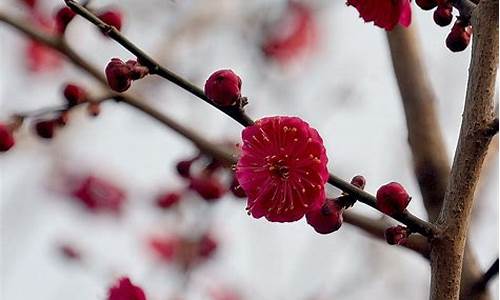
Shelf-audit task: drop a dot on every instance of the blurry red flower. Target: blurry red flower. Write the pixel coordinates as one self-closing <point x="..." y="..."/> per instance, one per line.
<point x="38" y="56"/>
<point x="167" y="200"/>
<point x="292" y="35"/>
<point x="282" y="168"/>
<point x="207" y="246"/>
<point x="208" y="187"/>
<point x="165" y="248"/>
<point x="97" y="194"/>
<point x="63" y="16"/>
<point x="6" y="138"/>
<point x="384" y="13"/>
<point x="112" y="18"/>
<point x="69" y="252"/>
<point x="123" y="289"/>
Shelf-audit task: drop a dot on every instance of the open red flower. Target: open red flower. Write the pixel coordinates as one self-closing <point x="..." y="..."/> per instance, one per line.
<point x="384" y="13"/>
<point x="125" y="290"/>
<point x="282" y="168"/>
<point x="293" y="35"/>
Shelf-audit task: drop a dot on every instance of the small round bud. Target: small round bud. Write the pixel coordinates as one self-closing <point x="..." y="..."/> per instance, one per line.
<point x="326" y="219"/>
<point x="223" y="88"/>
<point x="392" y="198"/>
<point x="426" y="4"/>
<point x="236" y="189"/>
<point x="167" y="200"/>
<point x="443" y="14"/>
<point x="63" y="16"/>
<point x="137" y="71"/>
<point x="94" y="109"/>
<point x="208" y="188"/>
<point x="74" y="94"/>
<point x="183" y="168"/>
<point x="45" y="128"/>
<point x="207" y="246"/>
<point x="6" y="138"/>
<point x="396" y="235"/>
<point x="459" y="37"/>
<point x="112" y="18"/>
<point x="358" y="181"/>
<point x="118" y="75"/>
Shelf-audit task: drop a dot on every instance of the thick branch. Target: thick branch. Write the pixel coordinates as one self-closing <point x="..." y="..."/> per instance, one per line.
<point x="447" y="251"/>
<point x="414" y="223"/>
<point x="431" y="164"/>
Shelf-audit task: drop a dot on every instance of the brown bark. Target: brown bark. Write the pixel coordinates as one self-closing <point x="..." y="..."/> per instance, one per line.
<point x="448" y="249"/>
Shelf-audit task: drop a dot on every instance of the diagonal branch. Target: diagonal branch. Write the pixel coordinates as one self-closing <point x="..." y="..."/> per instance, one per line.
<point x="414" y="223"/>
<point x="133" y="101"/>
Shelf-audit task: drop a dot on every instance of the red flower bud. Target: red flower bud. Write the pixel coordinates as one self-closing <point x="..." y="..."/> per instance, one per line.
<point x="183" y="168"/>
<point x="443" y="14"/>
<point x="99" y="195"/>
<point x="426" y="4"/>
<point x="112" y="18"/>
<point x="236" y="189"/>
<point x="396" y="235"/>
<point x="63" y="16"/>
<point x="223" y="88"/>
<point x="118" y="75"/>
<point x="74" y="94"/>
<point x="207" y="246"/>
<point x="45" y="128"/>
<point x="207" y="187"/>
<point x="326" y="219"/>
<point x="459" y="37"/>
<point x="167" y="200"/>
<point x="124" y="289"/>
<point x="392" y="198"/>
<point x="358" y="181"/>
<point x="6" y="138"/>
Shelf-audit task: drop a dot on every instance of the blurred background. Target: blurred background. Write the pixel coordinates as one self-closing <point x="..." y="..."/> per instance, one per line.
<point x="315" y="59"/>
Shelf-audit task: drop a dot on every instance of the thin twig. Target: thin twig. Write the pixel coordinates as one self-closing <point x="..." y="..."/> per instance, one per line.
<point x="414" y="223"/>
<point x="79" y="62"/>
<point x="465" y="7"/>
<point x="376" y="228"/>
<point x="481" y="284"/>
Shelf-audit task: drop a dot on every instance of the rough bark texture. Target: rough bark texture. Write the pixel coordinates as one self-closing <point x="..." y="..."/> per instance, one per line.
<point x="431" y="164"/>
<point x="447" y="250"/>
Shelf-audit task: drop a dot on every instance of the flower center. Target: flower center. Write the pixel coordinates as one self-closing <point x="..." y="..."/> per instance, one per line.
<point x="279" y="170"/>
